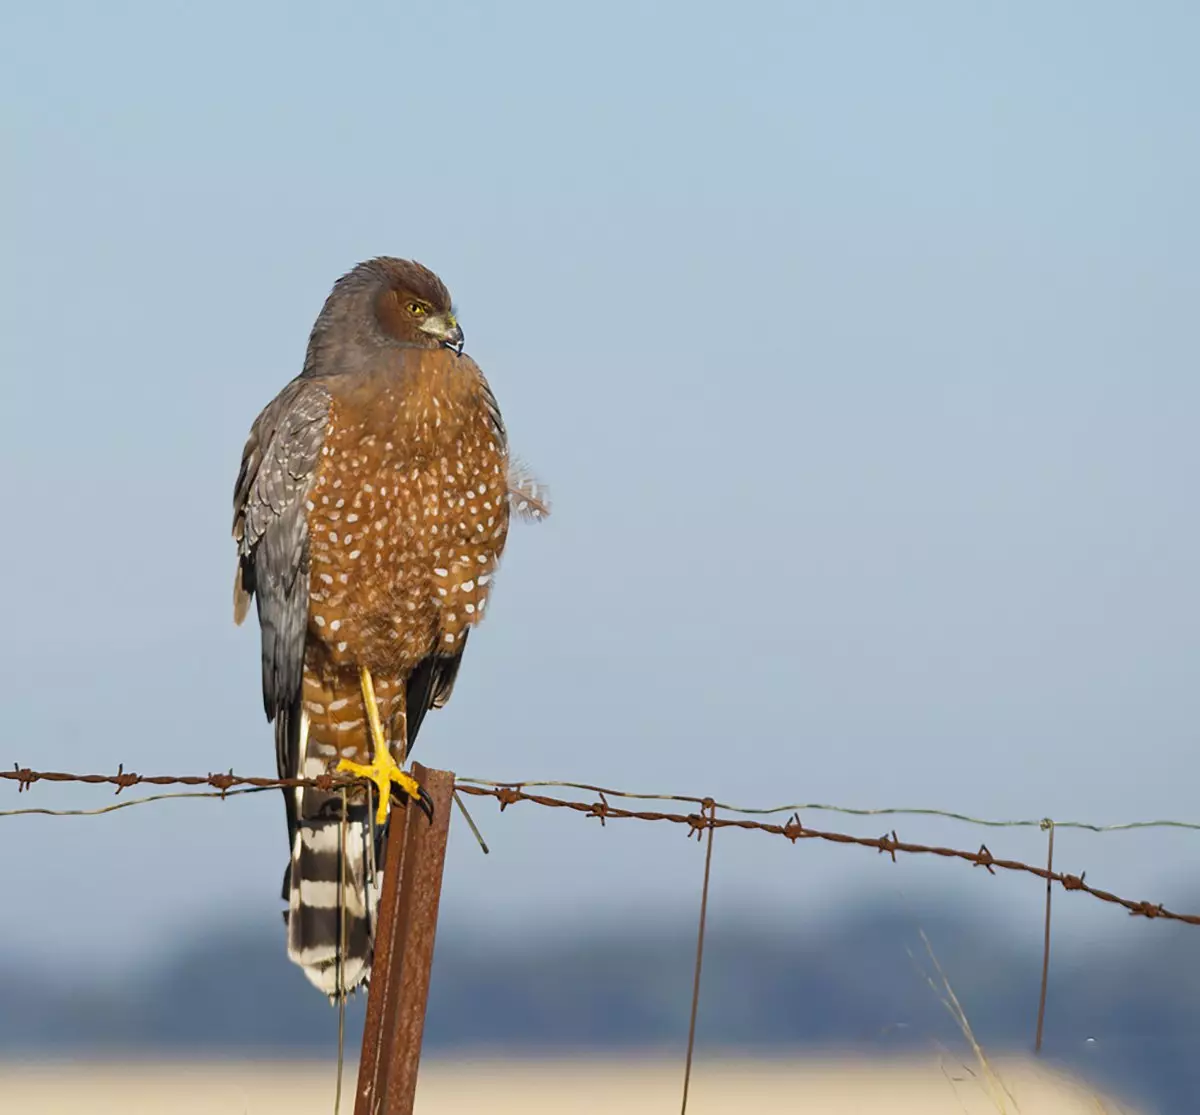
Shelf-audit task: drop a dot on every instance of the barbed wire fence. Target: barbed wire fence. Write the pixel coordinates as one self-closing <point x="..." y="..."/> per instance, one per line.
<point x="408" y="905"/>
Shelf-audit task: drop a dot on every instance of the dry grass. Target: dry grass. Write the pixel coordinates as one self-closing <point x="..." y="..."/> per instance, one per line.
<point x="828" y="1086"/>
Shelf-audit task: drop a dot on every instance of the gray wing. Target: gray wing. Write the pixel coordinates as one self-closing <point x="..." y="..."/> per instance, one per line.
<point x="270" y="526"/>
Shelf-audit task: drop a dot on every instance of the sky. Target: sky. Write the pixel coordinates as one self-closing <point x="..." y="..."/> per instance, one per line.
<point x="855" y="341"/>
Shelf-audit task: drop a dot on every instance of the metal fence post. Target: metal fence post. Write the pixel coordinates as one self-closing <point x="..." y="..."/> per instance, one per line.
<point x="406" y="927"/>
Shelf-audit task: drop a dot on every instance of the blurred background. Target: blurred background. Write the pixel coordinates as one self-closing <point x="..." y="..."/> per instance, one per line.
<point x="856" y="343"/>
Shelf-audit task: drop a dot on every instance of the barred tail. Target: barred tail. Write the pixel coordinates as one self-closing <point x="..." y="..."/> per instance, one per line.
<point x="332" y="901"/>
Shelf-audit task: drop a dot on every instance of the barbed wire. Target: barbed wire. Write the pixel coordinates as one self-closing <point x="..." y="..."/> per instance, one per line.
<point x="705" y="818"/>
<point x="228" y="781"/>
<point x="851" y="811"/>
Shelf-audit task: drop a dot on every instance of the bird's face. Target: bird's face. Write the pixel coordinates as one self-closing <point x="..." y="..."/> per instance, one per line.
<point x="440" y="324"/>
<point x="419" y="312"/>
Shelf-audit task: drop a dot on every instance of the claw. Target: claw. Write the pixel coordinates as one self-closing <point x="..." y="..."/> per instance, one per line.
<point x="384" y="773"/>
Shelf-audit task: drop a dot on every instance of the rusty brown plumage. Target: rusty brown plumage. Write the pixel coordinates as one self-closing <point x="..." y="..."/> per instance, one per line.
<point x="407" y="518"/>
<point x="371" y="512"/>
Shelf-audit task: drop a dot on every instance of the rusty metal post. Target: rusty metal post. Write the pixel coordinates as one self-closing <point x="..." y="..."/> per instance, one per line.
<point x="407" y="925"/>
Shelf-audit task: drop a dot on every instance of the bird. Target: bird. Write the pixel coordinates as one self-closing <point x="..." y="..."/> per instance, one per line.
<point x="371" y="510"/>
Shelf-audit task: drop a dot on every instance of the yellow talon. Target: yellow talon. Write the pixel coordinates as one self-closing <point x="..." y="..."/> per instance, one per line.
<point x="383" y="770"/>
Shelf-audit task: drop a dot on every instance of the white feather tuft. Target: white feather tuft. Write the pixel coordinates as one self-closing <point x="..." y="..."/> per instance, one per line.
<point x="527" y="495"/>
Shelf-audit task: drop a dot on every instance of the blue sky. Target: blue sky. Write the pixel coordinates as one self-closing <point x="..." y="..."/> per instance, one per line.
<point x="856" y="342"/>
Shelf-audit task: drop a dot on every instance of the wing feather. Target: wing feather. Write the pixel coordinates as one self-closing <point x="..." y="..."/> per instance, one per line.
<point x="270" y="526"/>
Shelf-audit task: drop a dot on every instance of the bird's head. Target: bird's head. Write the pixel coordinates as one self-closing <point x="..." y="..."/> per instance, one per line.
<point x="380" y="302"/>
<point x="413" y="306"/>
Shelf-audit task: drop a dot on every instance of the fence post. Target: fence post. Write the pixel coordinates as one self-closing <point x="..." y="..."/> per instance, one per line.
<point x="404" y="937"/>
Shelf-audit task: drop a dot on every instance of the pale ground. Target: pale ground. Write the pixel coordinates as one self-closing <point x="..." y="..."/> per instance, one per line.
<point x="847" y="1086"/>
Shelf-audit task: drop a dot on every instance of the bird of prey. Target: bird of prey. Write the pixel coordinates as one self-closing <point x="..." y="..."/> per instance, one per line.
<point x="370" y="513"/>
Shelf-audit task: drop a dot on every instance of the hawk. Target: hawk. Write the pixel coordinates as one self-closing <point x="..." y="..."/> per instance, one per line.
<point x="370" y="513"/>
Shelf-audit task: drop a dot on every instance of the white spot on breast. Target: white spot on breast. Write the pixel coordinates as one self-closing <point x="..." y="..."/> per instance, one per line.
<point x="341" y="646"/>
<point x="335" y="625"/>
<point x="326" y="578"/>
<point x="319" y="621"/>
<point x="354" y="553"/>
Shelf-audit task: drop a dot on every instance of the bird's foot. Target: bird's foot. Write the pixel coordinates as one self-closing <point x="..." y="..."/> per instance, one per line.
<point x="384" y="773"/>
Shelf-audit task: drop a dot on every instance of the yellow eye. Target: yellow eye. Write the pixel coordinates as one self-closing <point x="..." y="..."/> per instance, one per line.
<point x="416" y="309"/>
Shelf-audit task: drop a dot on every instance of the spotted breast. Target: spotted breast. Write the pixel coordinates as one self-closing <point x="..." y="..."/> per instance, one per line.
<point x="407" y="518"/>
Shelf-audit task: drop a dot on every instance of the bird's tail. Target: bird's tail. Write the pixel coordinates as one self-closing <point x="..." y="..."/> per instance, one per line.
<point x="332" y="890"/>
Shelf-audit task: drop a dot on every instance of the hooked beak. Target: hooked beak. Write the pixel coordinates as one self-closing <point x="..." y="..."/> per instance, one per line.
<point x="454" y="339"/>
<point x="446" y="329"/>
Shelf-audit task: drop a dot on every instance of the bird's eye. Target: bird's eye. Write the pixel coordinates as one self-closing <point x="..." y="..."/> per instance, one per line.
<point x="416" y="309"/>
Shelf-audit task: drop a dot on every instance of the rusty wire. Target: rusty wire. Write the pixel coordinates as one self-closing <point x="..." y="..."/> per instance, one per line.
<point x="512" y="793"/>
<point x="225" y="782"/>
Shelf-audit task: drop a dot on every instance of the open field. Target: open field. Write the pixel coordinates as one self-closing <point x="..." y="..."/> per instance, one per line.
<point x="835" y="1086"/>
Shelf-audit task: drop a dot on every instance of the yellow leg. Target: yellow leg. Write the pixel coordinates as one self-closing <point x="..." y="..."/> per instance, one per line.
<point x="383" y="769"/>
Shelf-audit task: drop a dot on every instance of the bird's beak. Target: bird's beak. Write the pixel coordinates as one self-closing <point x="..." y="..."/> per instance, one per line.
<point x="454" y="339"/>
<point x="446" y="329"/>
